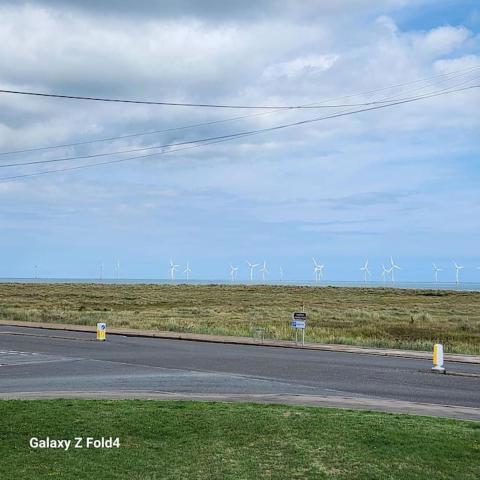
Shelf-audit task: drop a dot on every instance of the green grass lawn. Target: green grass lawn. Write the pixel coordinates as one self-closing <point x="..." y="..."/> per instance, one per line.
<point x="196" y="440"/>
<point x="372" y="317"/>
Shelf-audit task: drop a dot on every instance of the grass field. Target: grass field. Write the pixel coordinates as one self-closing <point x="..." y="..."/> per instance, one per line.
<point x="219" y="441"/>
<point x="410" y="319"/>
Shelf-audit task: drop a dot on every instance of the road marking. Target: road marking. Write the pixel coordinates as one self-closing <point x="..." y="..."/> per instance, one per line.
<point x="22" y="334"/>
<point x="10" y="358"/>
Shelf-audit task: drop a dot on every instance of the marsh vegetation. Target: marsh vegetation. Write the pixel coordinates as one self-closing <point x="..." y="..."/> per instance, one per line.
<point x="378" y="317"/>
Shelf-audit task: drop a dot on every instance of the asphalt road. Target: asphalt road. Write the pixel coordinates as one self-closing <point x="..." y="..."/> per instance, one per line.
<point x="42" y="363"/>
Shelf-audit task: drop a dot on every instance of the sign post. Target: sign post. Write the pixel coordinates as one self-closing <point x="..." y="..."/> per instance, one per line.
<point x="101" y="331"/>
<point x="299" y="322"/>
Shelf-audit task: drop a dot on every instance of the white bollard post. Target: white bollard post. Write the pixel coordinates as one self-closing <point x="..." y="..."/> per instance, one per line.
<point x="438" y="358"/>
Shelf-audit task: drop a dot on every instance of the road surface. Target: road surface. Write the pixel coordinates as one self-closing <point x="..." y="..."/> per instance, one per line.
<point x="38" y="363"/>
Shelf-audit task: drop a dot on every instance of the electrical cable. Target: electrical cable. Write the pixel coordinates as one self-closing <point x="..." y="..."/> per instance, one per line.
<point x="242" y="134"/>
<point x="154" y="147"/>
<point x="452" y="74"/>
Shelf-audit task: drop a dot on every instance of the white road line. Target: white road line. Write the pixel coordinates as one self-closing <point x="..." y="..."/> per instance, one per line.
<point x="16" y="358"/>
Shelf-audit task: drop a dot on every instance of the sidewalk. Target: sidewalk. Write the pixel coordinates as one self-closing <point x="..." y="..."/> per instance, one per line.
<point x="199" y="337"/>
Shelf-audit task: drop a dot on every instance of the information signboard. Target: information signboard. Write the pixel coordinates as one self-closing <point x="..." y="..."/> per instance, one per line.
<point x="299" y="324"/>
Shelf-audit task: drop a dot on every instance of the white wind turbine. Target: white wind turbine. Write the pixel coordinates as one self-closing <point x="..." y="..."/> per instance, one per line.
<point x="385" y="272"/>
<point x="173" y="268"/>
<point x="281" y="274"/>
<point x="366" y="271"/>
<point x="252" y="266"/>
<point x="188" y="271"/>
<point x="457" y="271"/>
<point x="317" y="270"/>
<point x="435" y="272"/>
<point x="233" y="273"/>
<point x="117" y="269"/>
<point x="393" y="267"/>
<point x="264" y="271"/>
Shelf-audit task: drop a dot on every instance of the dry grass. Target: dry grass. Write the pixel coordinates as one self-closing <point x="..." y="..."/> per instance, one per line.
<point x="410" y="319"/>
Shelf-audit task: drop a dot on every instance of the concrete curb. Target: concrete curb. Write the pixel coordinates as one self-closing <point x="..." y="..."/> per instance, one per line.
<point x="199" y="337"/>
<point x="325" y="401"/>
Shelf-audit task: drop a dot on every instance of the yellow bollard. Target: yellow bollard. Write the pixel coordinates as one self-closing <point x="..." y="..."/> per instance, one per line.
<point x="101" y="331"/>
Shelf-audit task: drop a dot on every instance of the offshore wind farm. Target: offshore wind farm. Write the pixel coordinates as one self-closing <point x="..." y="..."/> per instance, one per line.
<point x="448" y="277"/>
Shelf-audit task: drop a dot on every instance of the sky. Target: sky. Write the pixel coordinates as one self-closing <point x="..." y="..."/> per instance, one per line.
<point x="401" y="181"/>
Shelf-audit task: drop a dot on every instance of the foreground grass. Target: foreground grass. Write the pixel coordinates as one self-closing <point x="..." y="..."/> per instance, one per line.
<point x="189" y="440"/>
<point x="410" y="319"/>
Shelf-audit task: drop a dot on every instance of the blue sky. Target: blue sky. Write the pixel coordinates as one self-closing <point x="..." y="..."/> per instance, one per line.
<point x="401" y="181"/>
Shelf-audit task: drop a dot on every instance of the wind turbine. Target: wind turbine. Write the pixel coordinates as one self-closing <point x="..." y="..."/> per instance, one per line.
<point x="117" y="269"/>
<point x="173" y="267"/>
<point x="435" y="272"/>
<point x="281" y="274"/>
<point x="233" y="273"/>
<point x="188" y="271"/>
<point x="36" y="271"/>
<point x="385" y="272"/>
<point x="393" y="267"/>
<point x="317" y="270"/>
<point x="252" y="266"/>
<point x="101" y="271"/>
<point x="264" y="271"/>
<point x="366" y="271"/>
<point x="457" y="271"/>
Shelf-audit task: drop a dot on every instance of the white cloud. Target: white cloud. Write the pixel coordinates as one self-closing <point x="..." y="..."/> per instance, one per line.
<point x="387" y="23"/>
<point x="379" y="166"/>
<point x="441" y="40"/>
<point x="300" y="66"/>
<point x="463" y="62"/>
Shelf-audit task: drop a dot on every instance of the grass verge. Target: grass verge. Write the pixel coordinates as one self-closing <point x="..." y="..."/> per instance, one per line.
<point x="371" y="317"/>
<point x="197" y="440"/>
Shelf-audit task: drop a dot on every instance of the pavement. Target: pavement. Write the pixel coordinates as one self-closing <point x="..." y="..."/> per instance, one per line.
<point x="41" y="363"/>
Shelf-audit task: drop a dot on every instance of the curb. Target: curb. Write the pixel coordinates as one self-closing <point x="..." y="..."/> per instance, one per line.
<point x="200" y="337"/>
<point x="322" y="401"/>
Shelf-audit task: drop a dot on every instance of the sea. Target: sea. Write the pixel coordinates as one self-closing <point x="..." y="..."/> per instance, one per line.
<point x="462" y="286"/>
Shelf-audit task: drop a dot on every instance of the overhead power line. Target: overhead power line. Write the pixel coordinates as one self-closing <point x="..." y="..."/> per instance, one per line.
<point x="201" y="140"/>
<point x="117" y="152"/>
<point x="154" y="147"/>
<point x="240" y="134"/>
<point x="447" y="76"/>
<point x="176" y="104"/>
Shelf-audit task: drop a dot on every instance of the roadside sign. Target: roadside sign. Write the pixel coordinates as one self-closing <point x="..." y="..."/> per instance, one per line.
<point x="299" y="324"/>
<point x="101" y="331"/>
